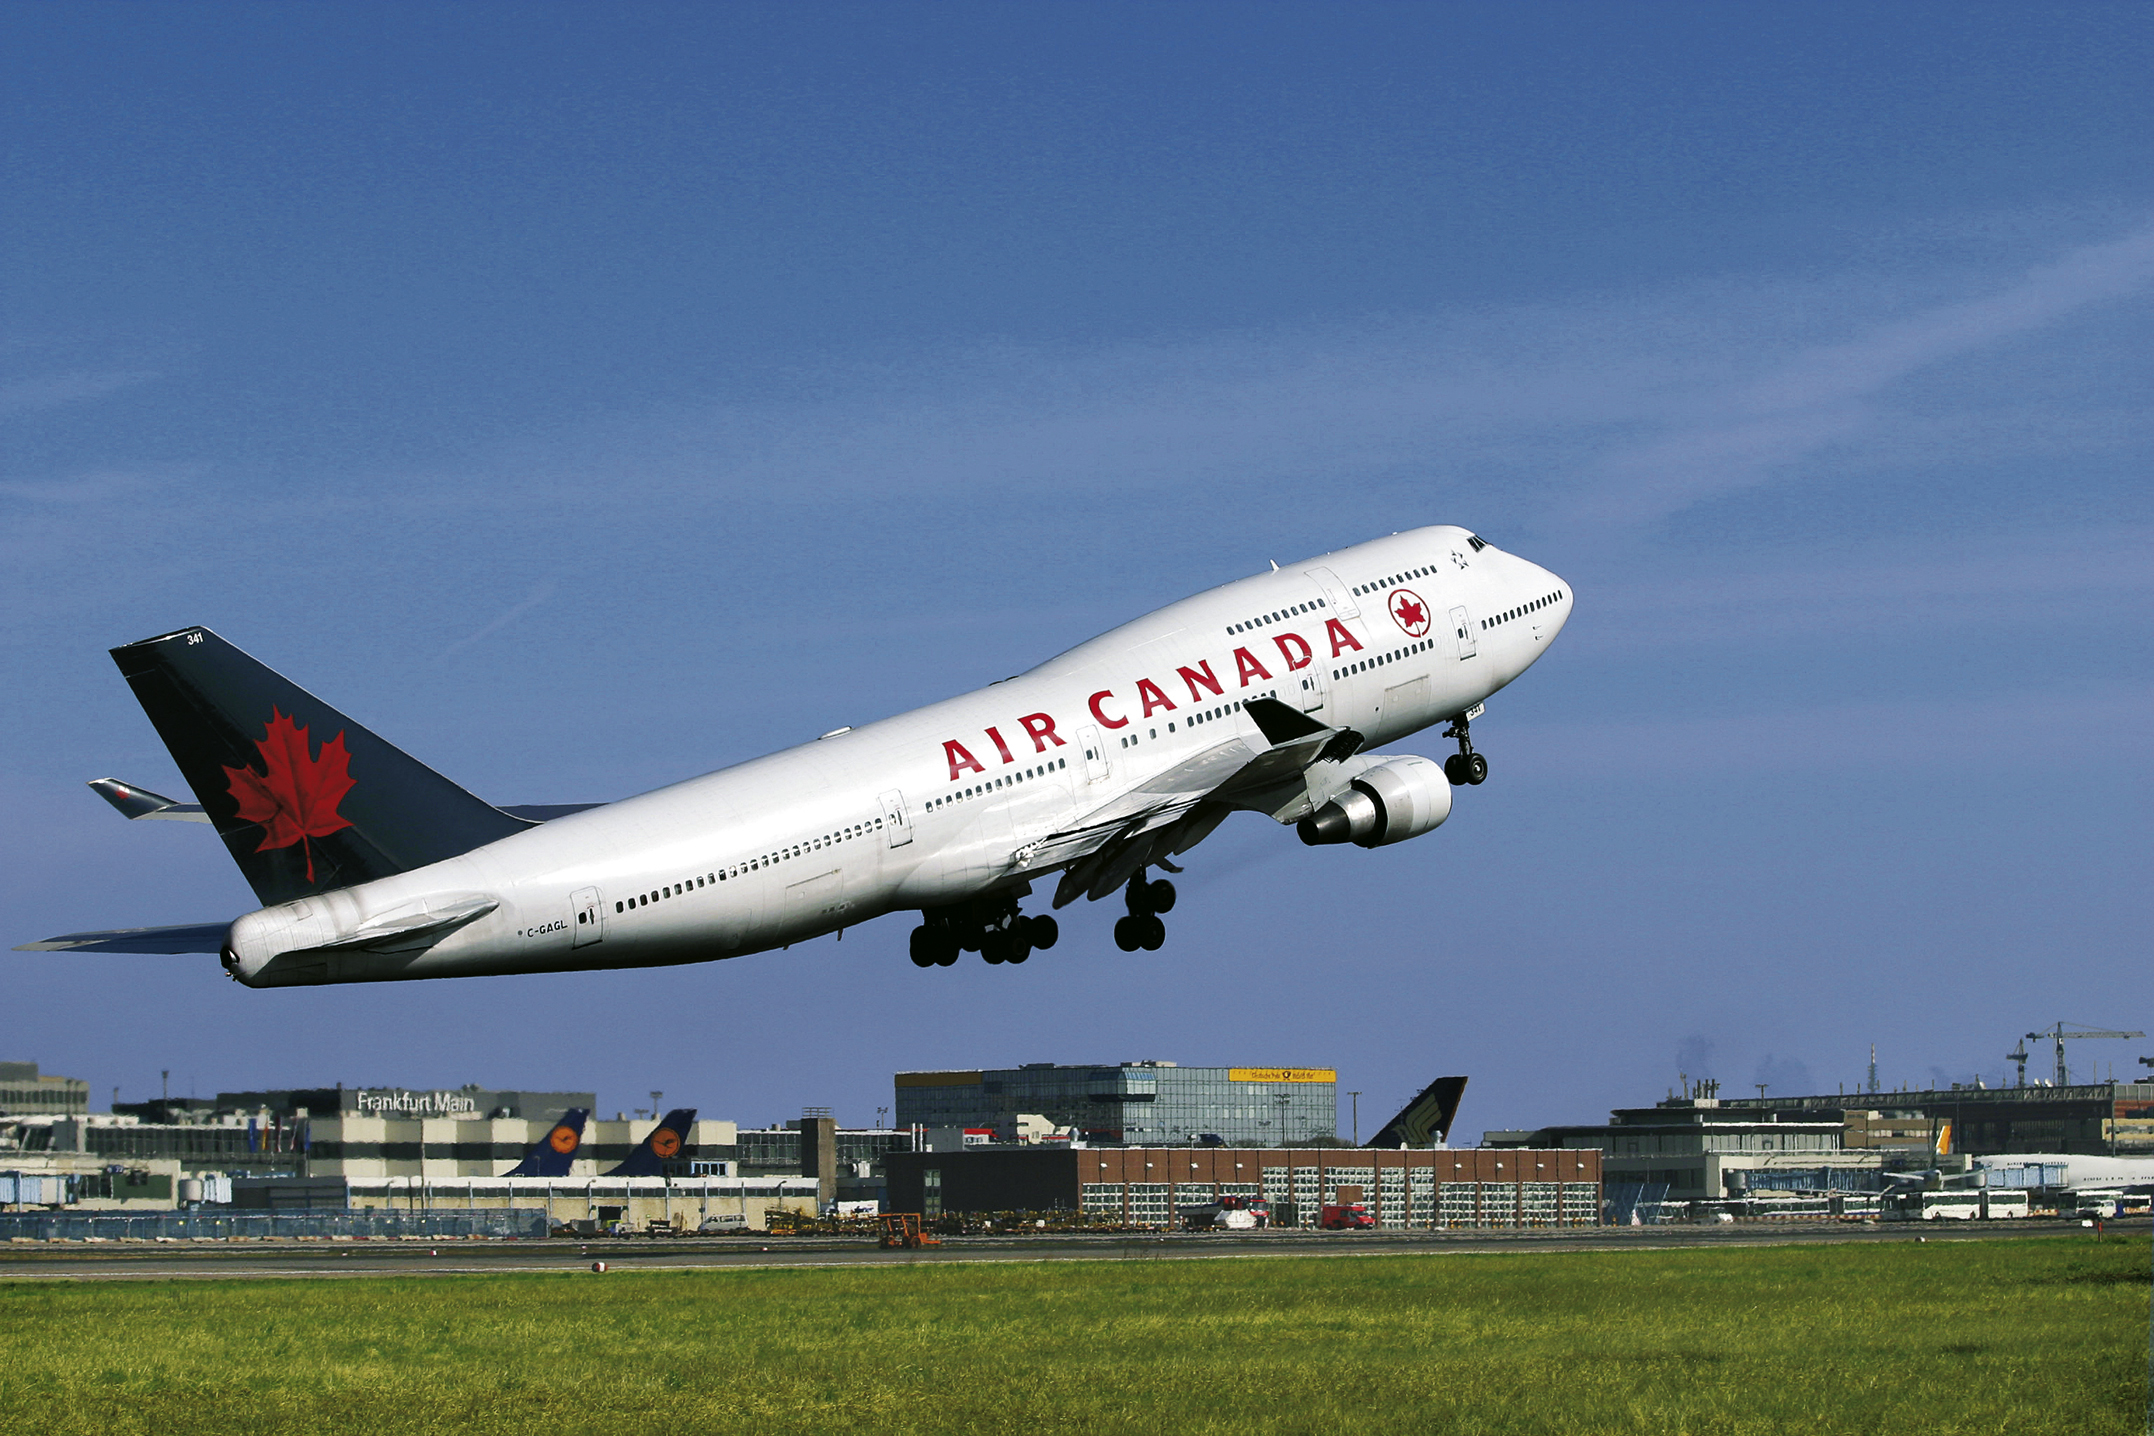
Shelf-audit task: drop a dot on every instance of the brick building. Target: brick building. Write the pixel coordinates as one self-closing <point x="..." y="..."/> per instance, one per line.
<point x="1146" y="1186"/>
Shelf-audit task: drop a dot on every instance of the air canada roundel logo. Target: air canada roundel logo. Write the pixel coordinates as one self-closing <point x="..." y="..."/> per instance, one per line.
<point x="665" y="1142"/>
<point x="562" y="1139"/>
<point x="1409" y="612"/>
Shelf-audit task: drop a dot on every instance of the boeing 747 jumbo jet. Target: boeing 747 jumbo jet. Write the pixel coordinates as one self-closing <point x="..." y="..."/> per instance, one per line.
<point x="1264" y="695"/>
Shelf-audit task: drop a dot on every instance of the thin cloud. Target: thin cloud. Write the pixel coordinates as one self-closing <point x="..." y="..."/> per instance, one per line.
<point x="50" y="391"/>
<point x="1902" y="734"/>
<point x="537" y="596"/>
<point x="1607" y="415"/>
<point x="1828" y="393"/>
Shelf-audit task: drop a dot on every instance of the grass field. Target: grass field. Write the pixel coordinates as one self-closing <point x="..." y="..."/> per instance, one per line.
<point x="2015" y="1335"/>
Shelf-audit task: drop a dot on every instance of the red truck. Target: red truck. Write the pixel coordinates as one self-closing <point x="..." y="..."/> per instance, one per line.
<point x="1346" y="1216"/>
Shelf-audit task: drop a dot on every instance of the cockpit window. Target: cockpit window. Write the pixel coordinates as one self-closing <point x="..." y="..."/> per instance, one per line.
<point x="1475" y="540"/>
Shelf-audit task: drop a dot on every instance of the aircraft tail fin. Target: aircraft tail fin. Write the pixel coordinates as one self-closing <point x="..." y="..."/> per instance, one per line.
<point x="1425" y="1121"/>
<point x="556" y="1150"/>
<point x="305" y="799"/>
<point x="668" y="1139"/>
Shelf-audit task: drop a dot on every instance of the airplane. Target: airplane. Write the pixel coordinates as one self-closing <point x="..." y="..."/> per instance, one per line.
<point x="2079" y="1170"/>
<point x="663" y="1142"/>
<point x="556" y="1151"/>
<point x="1269" y="694"/>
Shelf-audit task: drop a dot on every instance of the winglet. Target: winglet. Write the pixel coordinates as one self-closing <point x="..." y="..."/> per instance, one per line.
<point x="134" y="801"/>
<point x="1279" y="723"/>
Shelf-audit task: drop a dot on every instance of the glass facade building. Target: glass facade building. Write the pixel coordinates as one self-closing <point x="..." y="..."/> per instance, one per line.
<point x="1134" y="1103"/>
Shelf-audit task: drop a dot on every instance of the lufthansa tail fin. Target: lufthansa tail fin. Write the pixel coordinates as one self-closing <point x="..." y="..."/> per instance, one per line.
<point x="305" y="799"/>
<point x="556" y="1150"/>
<point x="668" y="1139"/>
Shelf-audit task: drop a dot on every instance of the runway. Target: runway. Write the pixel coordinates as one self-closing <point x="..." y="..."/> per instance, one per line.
<point x="164" y="1261"/>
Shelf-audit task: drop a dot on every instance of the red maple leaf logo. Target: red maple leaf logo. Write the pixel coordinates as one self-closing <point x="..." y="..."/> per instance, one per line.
<point x="1408" y="612"/>
<point x="295" y="798"/>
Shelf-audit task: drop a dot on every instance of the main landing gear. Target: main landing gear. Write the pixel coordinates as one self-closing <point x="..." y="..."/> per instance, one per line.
<point x="993" y="928"/>
<point x="1142" y="928"/>
<point x="1465" y="766"/>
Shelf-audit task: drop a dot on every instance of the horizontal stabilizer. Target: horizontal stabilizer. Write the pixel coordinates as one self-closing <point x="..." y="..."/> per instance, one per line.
<point x="190" y="937"/>
<point x="547" y="812"/>
<point x="138" y="802"/>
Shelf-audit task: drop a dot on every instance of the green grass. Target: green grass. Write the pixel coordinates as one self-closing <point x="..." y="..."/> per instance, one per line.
<point x="1992" y="1336"/>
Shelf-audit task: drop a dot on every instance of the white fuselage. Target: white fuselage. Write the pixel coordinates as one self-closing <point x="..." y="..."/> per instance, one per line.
<point x="933" y="806"/>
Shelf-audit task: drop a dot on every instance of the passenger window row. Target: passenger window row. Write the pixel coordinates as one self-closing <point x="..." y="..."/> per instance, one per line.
<point x="1396" y="579"/>
<point x="1209" y="715"/>
<point x="725" y="874"/>
<point x="1277" y="616"/>
<point x="1011" y="780"/>
<point x="1213" y="715"/>
<point x="1383" y="658"/>
<point x="1523" y="609"/>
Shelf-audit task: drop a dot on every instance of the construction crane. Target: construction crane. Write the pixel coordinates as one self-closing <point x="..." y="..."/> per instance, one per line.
<point x="2059" y="1035"/>
<point x="2019" y="1055"/>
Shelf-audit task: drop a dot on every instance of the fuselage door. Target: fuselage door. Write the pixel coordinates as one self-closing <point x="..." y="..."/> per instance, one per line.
<point x="1462" y="625"/>
<point x="1308" y="683"/>
<point x="1337" y="596"/>
<point x="585" y="920"/>
<point x="1095" y="754"/>
<point x="894" y="822"/>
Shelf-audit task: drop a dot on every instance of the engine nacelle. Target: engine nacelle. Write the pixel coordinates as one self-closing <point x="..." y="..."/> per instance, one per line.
<point x="1399" y="798"/>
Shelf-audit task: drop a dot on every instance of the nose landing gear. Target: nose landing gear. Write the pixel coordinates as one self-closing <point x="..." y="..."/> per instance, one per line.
<point x="1465" y="766"/>
<point x="995" y="929"/>
<point x="1142" y="928"/>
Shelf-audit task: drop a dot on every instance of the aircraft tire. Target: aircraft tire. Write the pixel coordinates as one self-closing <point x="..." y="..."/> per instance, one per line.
<point x="1127" y="933"/>
<point x="1153" y="935"/>
<point x="923" y="946"/>
<point x="1043" y="932"/>
<point x="1159" y="896"/>
<point x="1454" y="768"/>
<point x="1019" y="951"/>
<point x="1476" y="768"/>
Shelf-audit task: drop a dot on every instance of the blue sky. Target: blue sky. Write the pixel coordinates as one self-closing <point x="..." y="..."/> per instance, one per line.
<point x="585" y="398"/>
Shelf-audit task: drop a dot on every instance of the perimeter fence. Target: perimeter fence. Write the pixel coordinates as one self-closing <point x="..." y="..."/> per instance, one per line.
<point x="271" y="1226"/>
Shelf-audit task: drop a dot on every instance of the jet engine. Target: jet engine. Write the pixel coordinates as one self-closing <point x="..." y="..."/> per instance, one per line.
<point x="1399" y="798"/>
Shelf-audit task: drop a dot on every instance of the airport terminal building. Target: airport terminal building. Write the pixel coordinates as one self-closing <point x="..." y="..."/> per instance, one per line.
<point x="1133" y="1103"/>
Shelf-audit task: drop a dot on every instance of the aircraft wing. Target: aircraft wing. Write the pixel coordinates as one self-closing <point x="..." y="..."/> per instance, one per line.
<point x="188" y="937"/>
<point x="1175" y="810"/>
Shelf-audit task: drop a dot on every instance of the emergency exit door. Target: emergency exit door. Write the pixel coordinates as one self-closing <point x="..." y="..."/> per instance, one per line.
<point x="585" y="918"/>
<point x="1462" y="625"/>
<point x="894" y="824"/>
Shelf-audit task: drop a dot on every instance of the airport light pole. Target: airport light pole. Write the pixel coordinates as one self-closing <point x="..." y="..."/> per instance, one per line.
<point x="1356" y="1096"/>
